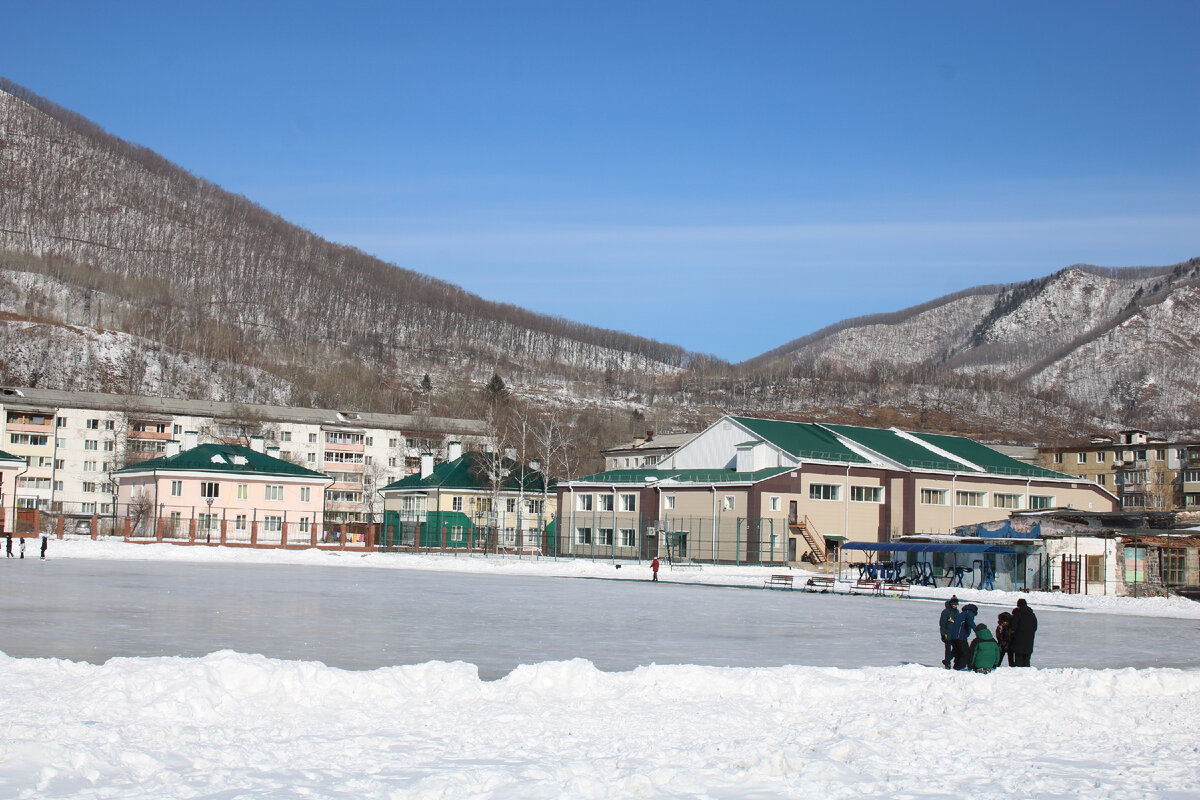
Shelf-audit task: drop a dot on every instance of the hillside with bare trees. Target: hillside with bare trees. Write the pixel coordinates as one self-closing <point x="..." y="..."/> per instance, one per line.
<point x="122" y="272"/>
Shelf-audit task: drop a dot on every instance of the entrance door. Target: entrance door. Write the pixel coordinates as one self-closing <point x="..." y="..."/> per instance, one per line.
<point x="791" y="549"/>
<point x="1070" y="574"/>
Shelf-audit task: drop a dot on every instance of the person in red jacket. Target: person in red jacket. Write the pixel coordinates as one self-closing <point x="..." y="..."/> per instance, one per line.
<point x="654" y="569"/>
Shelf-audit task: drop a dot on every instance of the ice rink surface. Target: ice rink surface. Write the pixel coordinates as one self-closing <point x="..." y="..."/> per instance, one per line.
<point x="360" y="619"/>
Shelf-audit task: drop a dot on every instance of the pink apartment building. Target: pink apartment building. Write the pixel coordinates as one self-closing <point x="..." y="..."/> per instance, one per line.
<point x="222" y="492"/>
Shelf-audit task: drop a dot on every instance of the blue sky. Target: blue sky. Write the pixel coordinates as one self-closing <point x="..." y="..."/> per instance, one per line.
<point x="723" y="176"/>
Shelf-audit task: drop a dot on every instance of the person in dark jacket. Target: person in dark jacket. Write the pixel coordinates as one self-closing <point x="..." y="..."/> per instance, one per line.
<point x="964" y="626"/>
<point x="45" y="541"/>
<point x="1024" y="626"/>
<point x="985" y="653"/>
<point x="946" y="627"/>
<point x="1004" y="637"/>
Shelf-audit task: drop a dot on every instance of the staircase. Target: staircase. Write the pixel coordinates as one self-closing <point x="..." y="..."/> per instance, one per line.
<point x="816" y="542"/>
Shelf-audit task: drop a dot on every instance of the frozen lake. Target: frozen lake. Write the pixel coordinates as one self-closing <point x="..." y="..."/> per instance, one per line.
<point x="365" y="618"/>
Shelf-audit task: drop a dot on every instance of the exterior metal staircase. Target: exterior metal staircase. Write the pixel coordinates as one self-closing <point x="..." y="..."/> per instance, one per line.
<point x="816" y="542"/>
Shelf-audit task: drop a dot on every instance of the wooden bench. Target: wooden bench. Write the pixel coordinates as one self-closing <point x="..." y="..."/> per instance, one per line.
<point x="778" y="582"/>
<point x="865" y="585"/>
<point x="820" y="583"/>
<point x="900" y="589"/>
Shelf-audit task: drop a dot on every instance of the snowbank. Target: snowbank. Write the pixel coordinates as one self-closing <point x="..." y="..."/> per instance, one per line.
<point x="719" y="575"/>
<point x="233" y="725"/>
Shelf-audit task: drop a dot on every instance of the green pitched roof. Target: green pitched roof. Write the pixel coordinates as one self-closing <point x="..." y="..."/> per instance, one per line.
<point x="6" y="456"/>
<point x="470" y="471"/>
<point x="892" y="445"/>
<point x="992" y="461"/>
<point x="639" y="476"/>
<point x="802" y="439"/>
<point x="231" y="458"/>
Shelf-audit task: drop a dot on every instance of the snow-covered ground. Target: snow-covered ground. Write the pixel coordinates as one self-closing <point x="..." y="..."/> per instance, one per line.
<point x="236" y="725"/>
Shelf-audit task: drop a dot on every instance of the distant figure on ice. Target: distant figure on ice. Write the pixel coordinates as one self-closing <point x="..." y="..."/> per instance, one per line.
<point x="946" y="628"/>
<point x="1004" y="637"/>
<point x="8" y="545"/>
<point x="1024" y="626"/>
<point x="45" y="541"/>
<point x="22" y="547"/>
<point x="985" y="653"/>
<point x="964" y="626"/>
<point x="654" y="569"/>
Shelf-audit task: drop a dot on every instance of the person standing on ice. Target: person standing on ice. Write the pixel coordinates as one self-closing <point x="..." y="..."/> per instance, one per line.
<point x="8" y="545"/>
<point x="946" y="628"/>
<point x="22" y="547"/>
<point x="1024" y="626"/>
<point x="45" y="541"/>
<point x="964" y="626"/>
<point x="1004" y="637"/>
<point x="654" y="569"/>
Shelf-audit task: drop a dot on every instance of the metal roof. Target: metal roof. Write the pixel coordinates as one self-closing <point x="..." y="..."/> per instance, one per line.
<point x="232" y="458"/>
<point x="927" y="547"/>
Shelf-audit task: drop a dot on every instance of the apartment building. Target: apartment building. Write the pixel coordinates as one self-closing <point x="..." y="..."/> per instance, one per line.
<point x="74" y="442"/>
<point x="644" y="451"/>
<point x="1144" y="471"/>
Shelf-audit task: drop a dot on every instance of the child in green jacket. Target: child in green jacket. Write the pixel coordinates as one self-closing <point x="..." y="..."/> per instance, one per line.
<point x="985" y="653"/>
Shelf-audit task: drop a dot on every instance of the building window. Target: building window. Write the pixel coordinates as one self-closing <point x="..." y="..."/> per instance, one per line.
<point x="824" y="491"/>
<point x="391" y="442"/>
<point x="311" y="458"/>
<point x="535" y="506"/>
<point x="176" y="488"/>
<point x="1037" y="501"/>
<point x="58" y="486"/>
<point x="62" y="422"/>
<point x="1135" y="565"/>
<point x="866" y="494"/>
<point x="1101" y="457"/>
<point x="583" y="503"/>
<point x="729" y="502"/>
<point x="1001" y="500"/>
<point x="305" y="494"/>
<point x="110" y="446"/>
<point x="272" y="524"/>
<point x="1102" y="479"/>
<point x="456" y="503"/>
<point x="628" y="537"/>
<point x="32" y="439"/>
<point x="239" y="522"/>
<point x="669" y="502"/>
<point x="629" y="502"/>
<point x="210" y="489"/>
<point x="312" y="438"/>
<point x="973" y="499"/>
<point x="606" y="502"/>
<point x="1081" y="458"/>
<point x="933" y="497"/>
<point x="776" y="503"/>
<point x="1058" y="458"/>
<point x="274" y="491"/>
<point x="89" y="486"/>
<point x="1174" y="566"/>
<point x="510" y="505"/>
<point x="89" y="466"/>
<point x="606" y="537"/>
<point x="93" y="424"/>
<point x="285" y="436"/>
<point x="583" y="536"/>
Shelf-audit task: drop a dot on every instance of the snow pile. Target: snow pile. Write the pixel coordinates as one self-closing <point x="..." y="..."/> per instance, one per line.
<point x="711" y="575"/>
<point x="234" y="725"/>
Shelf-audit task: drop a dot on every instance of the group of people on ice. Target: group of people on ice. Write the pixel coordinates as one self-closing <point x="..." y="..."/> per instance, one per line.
<point x="1013" y="639"/>
<point x="8" y="546"/>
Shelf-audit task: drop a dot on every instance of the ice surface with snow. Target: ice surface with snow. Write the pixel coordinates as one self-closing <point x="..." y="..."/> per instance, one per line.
<point x="237" y="725"/>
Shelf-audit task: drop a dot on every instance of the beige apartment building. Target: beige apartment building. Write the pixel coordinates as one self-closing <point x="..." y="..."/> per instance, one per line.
<point x="1144" y="471"/>
<point x="768" y="491"/>
<point x="74" y="442"/>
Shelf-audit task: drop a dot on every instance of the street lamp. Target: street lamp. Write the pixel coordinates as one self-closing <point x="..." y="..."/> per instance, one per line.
<point x="208" y="522"/>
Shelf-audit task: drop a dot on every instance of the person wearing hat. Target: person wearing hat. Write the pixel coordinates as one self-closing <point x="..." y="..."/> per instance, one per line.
<point x="1024" y="626"/>
<point x="946" y="625"/>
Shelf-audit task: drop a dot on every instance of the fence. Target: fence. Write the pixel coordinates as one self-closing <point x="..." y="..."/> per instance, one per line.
<point x="720" y="539"/>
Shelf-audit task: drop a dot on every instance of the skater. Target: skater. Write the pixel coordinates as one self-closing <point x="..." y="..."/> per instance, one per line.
<point x="1024" y="626"/>
<point x="985" y="654"/>
<point x="8" y="545"/>
<point x="1004" y="637"/>
<point x="45" y="542"/>
<point x="22" y="547"/>
<point x="654" y="569"/>
<point x="964" y="626"/>
<point x="946" y="627"/>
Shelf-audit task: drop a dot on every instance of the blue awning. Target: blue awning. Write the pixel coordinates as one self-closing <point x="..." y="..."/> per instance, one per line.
<point x="928" y="547"/>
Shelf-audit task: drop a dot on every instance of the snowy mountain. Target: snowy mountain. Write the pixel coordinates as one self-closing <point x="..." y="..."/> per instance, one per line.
<point x="1120" y="342"/>
<point x="122" y="271"/>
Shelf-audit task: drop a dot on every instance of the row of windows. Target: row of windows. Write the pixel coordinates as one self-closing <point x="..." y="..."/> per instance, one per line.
<point x="604" y="537"/>
<point x="211" y="523"/>
<point x="1101" y="456"/>
<point x="971" y="499"/>
<point x="480" y="504"/>
<point x="211" y="490"/>
<point x="584" y="502"/>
